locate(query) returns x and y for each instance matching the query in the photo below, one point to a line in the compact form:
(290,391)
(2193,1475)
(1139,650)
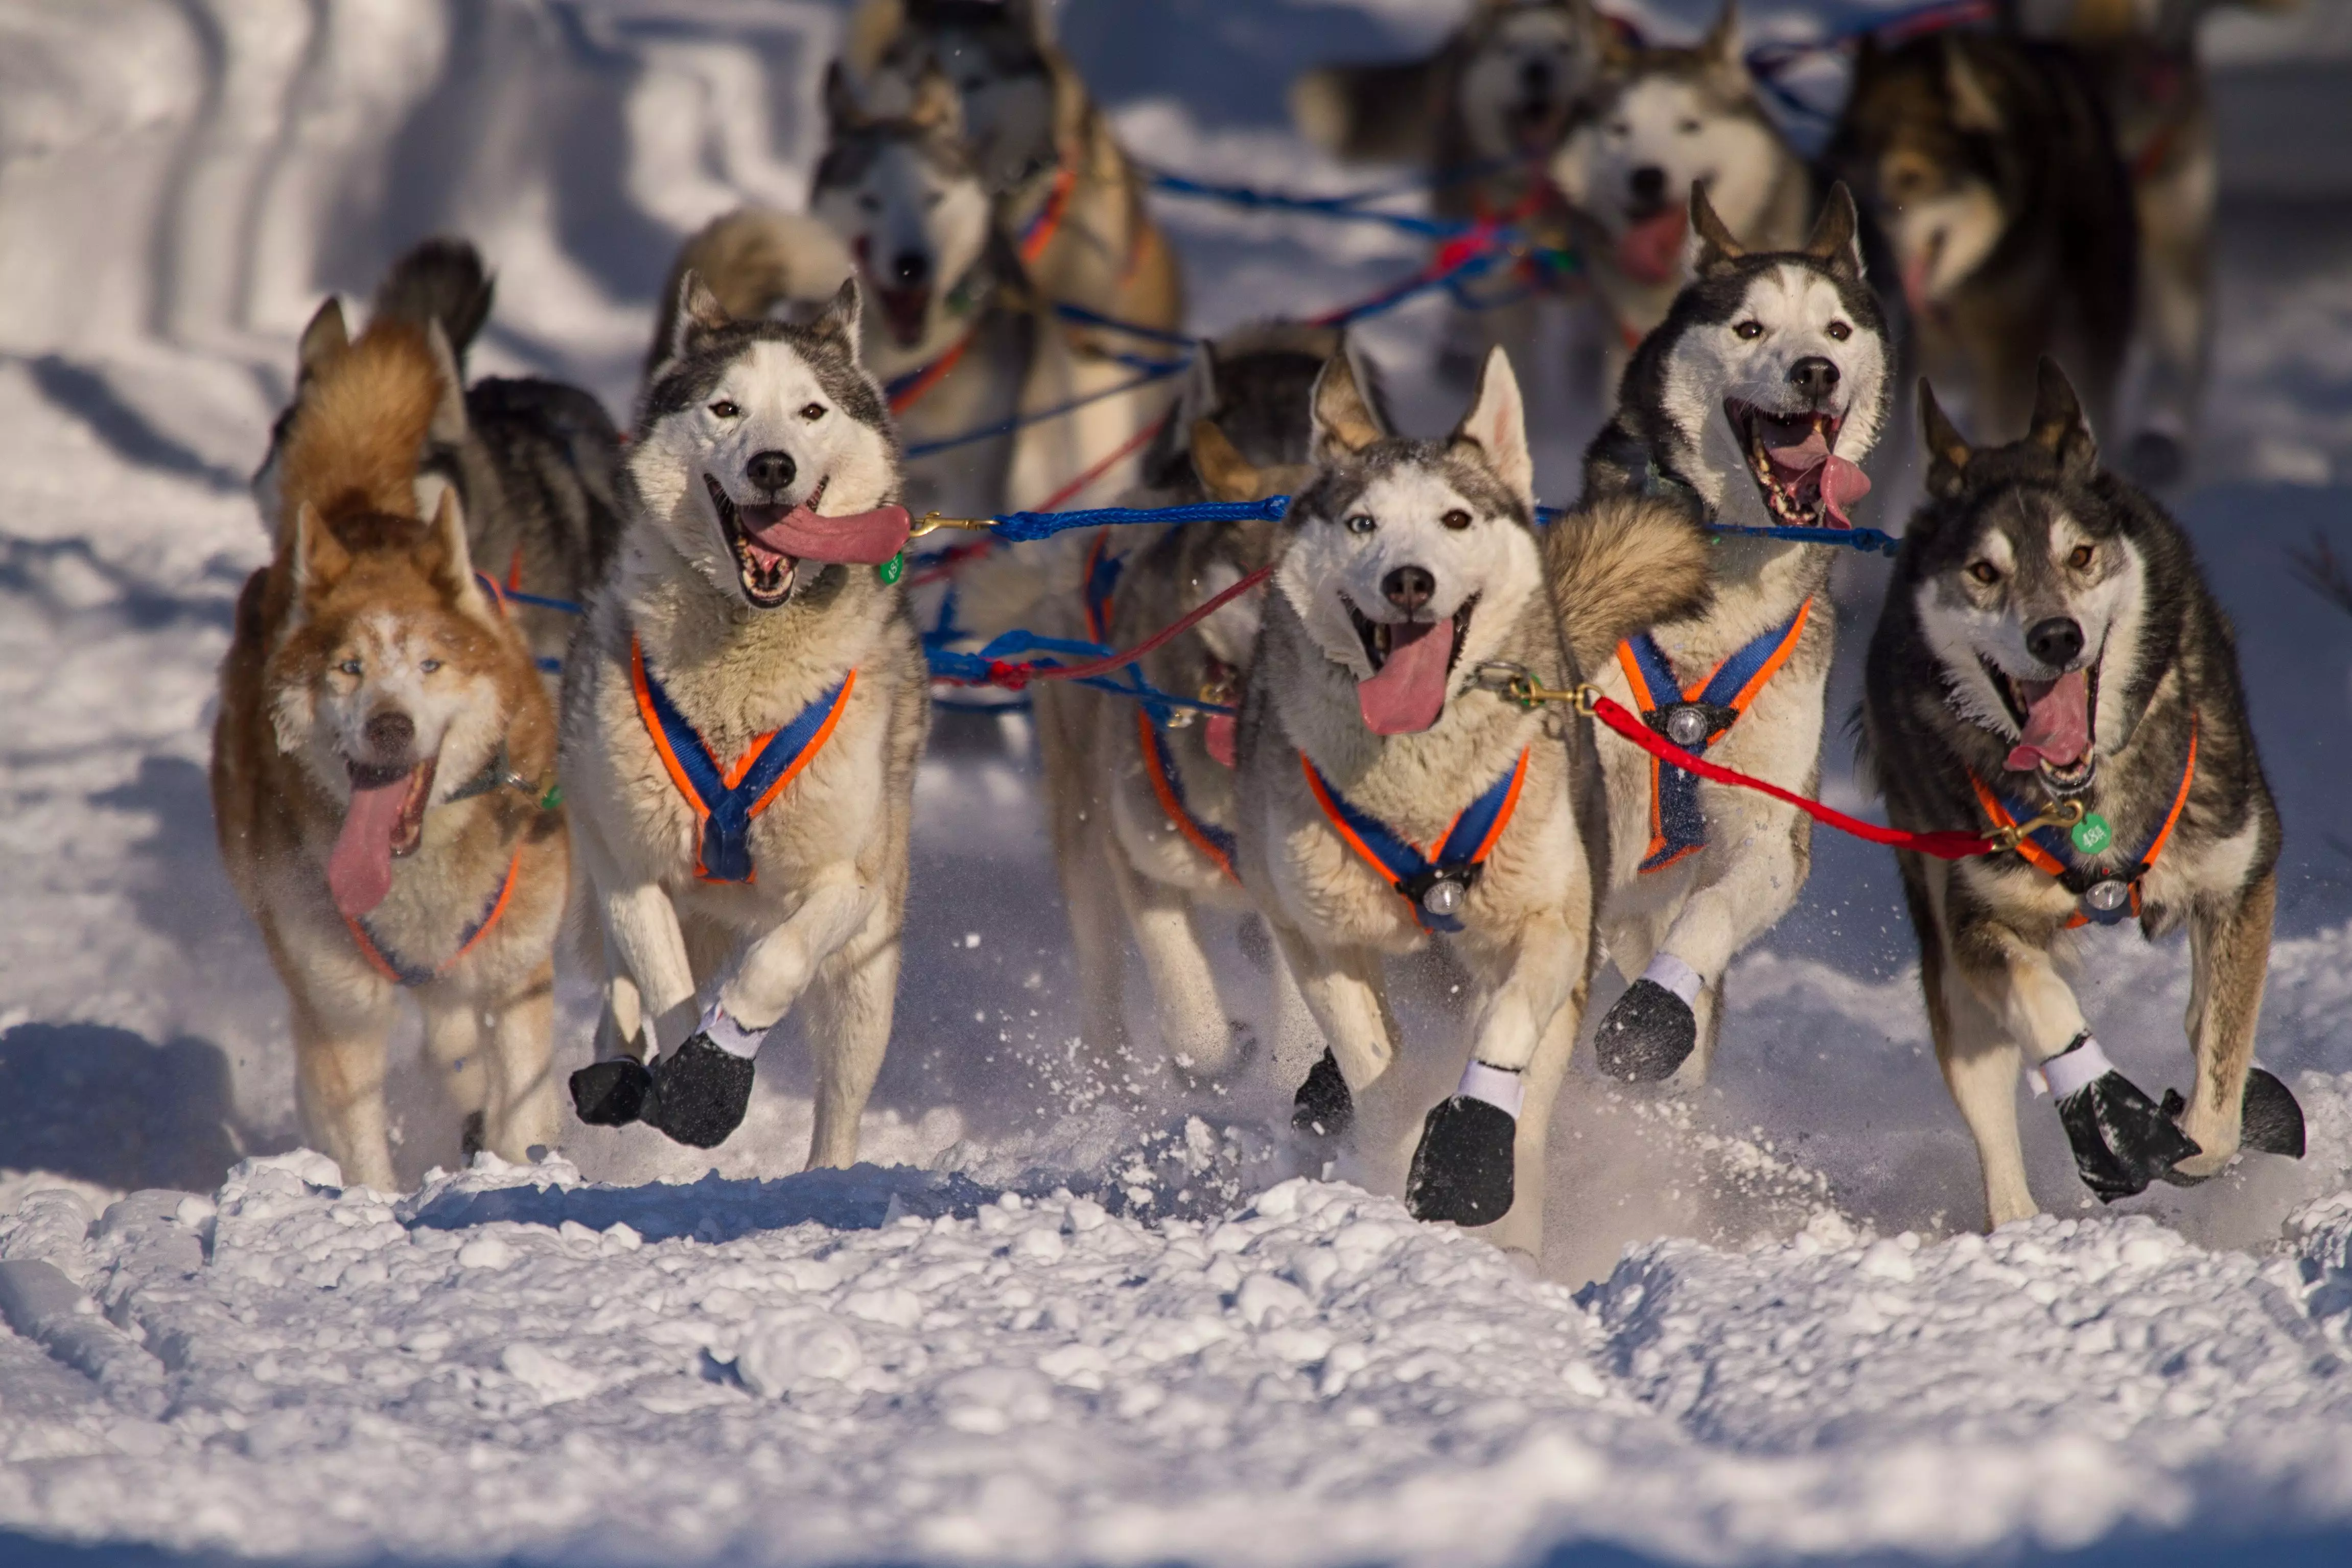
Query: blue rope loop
(1023,528)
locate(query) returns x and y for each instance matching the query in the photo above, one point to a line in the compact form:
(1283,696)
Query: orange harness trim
(2037,854)
(907,390)
(1399,861)
(1171,801)
(1040,229)
(401,974)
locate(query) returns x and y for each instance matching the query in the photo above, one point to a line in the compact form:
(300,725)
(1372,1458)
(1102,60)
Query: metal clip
(933,522)
(2064,814)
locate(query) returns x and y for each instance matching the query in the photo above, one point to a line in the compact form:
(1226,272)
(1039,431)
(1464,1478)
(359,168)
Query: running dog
(2048,646)
(535,463)
(1367,733)
(1753,406)
(751,650)
(1659,120)
(1988,165)
(382,774)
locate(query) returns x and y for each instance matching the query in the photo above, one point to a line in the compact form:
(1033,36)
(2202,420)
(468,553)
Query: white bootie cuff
(1506,1091)
(2070,1069)
(729,1036)
(1676,976)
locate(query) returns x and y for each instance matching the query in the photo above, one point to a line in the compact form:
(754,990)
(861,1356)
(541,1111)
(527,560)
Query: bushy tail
(441,281)
(754,260)
(1619,565)
(357,432)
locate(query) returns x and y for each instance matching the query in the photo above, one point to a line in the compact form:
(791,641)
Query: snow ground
(1793,1348)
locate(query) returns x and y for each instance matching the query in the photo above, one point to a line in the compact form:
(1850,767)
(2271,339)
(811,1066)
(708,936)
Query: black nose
(1408,588)
(2054,641)
(1648,183)
(912,269)
(771,470)
(1813,376)
(391,733)
(1535,79)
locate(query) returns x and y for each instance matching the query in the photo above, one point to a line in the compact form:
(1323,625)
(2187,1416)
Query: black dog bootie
(1649,1033)
(1323,1108)
(1463,1170)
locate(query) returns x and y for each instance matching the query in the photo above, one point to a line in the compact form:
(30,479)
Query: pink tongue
(861,538)
(1217,734)
(2057,722)
(1652,249)
(1914,281)
(1812,471)
(359,868)
(1409,693)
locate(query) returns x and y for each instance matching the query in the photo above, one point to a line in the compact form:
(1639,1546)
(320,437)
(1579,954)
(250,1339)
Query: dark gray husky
(2048,651)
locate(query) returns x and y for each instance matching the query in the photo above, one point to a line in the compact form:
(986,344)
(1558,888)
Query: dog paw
(611,1093)
(700,1093)
(1647,1035)
(472,1136)
(1463,1170)
(1323,1108)
(2123,1140)
(2270,1121)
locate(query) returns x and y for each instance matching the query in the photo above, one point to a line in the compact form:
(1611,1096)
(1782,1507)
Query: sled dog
(1988,164)
(741,716)
(381,774)
(535,463)
(1753,405)
(2047,641)
(1660,119)
(1386,798)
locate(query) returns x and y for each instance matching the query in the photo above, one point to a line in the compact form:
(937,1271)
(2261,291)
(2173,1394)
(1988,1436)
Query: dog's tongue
(1652,249)
(1409,693)
(1217,734)
(359,868)
(1812,471)
(2057,722)
(861,538)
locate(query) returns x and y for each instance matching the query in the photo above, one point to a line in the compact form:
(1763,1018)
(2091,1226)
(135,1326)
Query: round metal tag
(2107,897)
(1687,726)
(1443,898)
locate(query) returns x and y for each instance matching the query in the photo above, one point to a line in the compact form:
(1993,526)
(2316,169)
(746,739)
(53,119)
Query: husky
(1481,114)
(1988,165)
(382,775)
(535,463)
(751,649)
(1366,734)
(2047,641)
(1753,405)
(1659,119)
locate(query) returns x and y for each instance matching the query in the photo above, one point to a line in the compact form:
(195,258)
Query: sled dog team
(724,798)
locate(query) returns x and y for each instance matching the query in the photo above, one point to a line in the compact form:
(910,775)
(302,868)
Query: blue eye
(350,667)
(429,666)
(1361,523)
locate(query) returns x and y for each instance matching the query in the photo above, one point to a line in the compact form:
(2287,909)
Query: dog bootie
(1323,1108)
(1463,1170)
(611,1093)
(699,1092)
(1649,1033)
(2270,1121)
(2123,1140)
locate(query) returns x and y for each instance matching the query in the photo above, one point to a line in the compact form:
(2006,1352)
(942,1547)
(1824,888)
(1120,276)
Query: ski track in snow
(1087,1317)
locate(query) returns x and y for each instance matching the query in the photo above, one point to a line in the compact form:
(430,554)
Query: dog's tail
(440,280)
(1624,563)
(357,432)
(1372,113)
(755,261)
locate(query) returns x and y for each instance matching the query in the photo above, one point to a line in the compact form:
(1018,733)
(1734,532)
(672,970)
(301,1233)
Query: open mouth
(384,822)
(1651,249)
(1793,459)
(1413,667)
(905,311)
(1920,270)
(1534,125)
(2056,721)
(765,572)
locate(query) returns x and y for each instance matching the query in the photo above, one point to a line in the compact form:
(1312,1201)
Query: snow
(1072,1313)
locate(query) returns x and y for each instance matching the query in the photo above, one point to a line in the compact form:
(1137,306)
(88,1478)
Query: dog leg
(2229,952)
(1978,1062)
(339,1051)
(1193,1024)
(848,1020)
(454,1039)
(1344,996)
(1521,1231)
(1074,822)
(521,1112)
(647,948)
(620,1025)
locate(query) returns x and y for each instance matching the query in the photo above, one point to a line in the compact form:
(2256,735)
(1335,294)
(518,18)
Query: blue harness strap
(400,971)
(1456,858)
(1695,719)
(1103,569)
(2103,895)
(726,801)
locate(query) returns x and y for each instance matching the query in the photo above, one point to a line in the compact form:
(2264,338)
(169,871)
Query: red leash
(1014,676)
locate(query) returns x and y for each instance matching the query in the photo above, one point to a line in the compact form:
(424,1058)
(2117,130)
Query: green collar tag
(891,570)
(2092,835)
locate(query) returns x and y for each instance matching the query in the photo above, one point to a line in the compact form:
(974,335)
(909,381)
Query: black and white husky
(1755,403)
(751,650)
(2048,643)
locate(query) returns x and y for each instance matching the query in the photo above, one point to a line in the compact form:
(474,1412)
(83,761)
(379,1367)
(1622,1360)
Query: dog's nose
(1813,376)
(912,270)
(2054,641)
(391,733)
(1408,588)
(1647,182)
(771,470)
(1535,79)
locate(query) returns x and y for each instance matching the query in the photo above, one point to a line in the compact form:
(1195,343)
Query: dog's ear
(1224,472)
(1498,425)
(1717,249)
(324,341)
(698,316)
(1343,422)
(2059,426)
(449,560)
(1726,62)
(1948,449)
(843,109)
(1974,107)
(839,319)
(874,26)
(448,425)
(937,106)
(319,558)
(1837,233)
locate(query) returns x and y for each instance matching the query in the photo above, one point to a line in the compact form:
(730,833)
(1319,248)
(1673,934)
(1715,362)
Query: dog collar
(392,966)
(2103,895)
(1438,883)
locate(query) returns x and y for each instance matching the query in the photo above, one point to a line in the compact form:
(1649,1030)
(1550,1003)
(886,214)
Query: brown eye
(1984,571)
(1457,519)
(1840,331)
(813,413)
(725,409)
(2081,558)
(1748,330)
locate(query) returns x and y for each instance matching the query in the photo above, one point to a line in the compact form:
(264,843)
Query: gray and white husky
(1755,404)
(746,652)
(1387,798)
(2048,641)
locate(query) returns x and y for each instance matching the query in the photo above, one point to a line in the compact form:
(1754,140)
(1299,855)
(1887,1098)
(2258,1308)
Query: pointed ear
(324,341)
(842,106)
(319,558)
(839,320)
(1726,62)
(1224,472)
(1498,425)
(449,410)
(1343,424)
(2059,427)
(698,315)
(1717,247)
(1973,105)
(1837,233)
(1948,449)
(450,558)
